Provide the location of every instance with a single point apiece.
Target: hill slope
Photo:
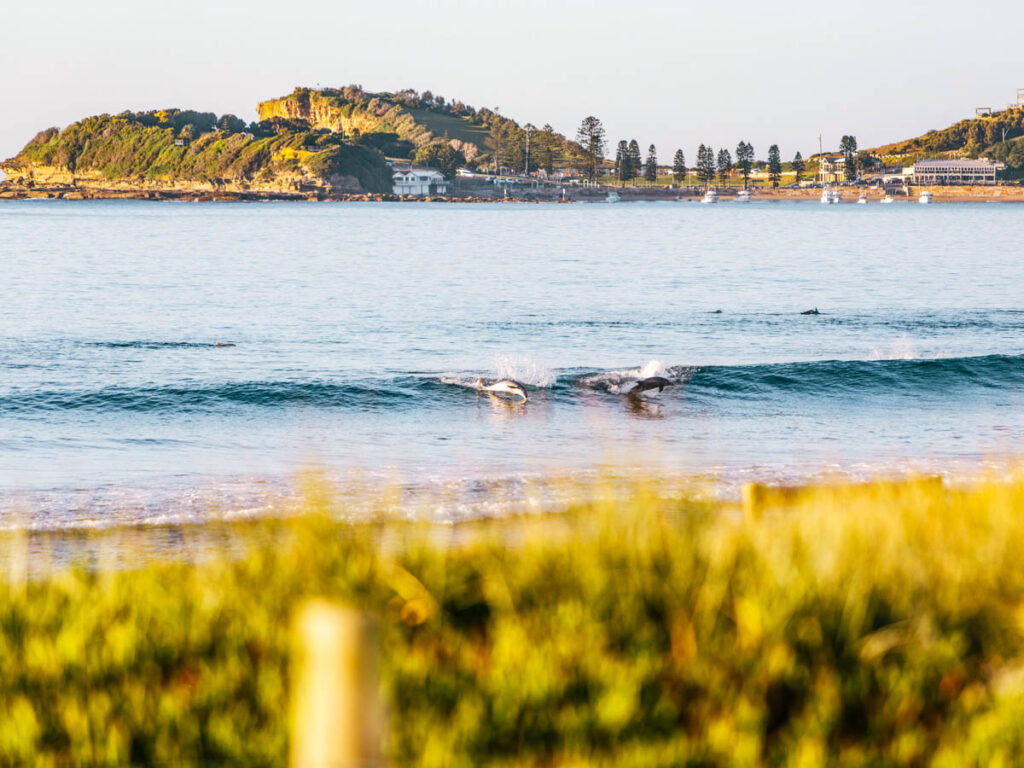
(179, 150)
(999, 136)
(421, 119)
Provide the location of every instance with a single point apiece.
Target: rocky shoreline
(10, 190)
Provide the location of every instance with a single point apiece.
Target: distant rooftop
(981, 163)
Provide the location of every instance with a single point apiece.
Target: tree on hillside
(622, 162)
(591, 137)
(745, 160)
(440, 155)
(636, 162)
(799, 166)
(679, 167)
(848, 147)
(774, 165)
(546, 149)
(529, 129)
(651, 168)
(705, 164)
(724, 165)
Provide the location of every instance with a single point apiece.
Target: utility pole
(821, 152)
(529, 130)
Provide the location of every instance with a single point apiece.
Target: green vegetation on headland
(878, 625)
(999, 136)
(312, 142)
(179, 148)
(482, 137)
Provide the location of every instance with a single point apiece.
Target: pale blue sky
(672, 73)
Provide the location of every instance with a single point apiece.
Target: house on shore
(419, 181)
(958, 172)
(831, 170)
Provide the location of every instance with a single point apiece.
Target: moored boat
(710, 197)
(925, 198)
(743, 196)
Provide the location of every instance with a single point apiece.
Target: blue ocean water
(358, 331)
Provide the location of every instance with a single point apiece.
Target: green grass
(439, 124)
(865, 626)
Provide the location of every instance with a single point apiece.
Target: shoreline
(998, 194)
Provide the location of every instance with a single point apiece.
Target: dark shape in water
(222, 344)
(653, 382)
(811, 312)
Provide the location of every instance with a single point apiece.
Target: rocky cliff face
(332, 110)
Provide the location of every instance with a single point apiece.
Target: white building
(419, 181)
(982, 171)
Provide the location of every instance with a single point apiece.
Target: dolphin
(811, 312)
(652, 382)
(503, 387)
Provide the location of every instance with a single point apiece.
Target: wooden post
(336, 716)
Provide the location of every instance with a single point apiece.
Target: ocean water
(360, 330)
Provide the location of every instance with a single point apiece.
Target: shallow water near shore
(357, 332)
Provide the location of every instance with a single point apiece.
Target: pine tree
(724, 165)
(622, 162)
(774, 165)
(848, 146)
(651, 169)
(636, 162)
(799, 166)
(745, 160)
(679, 167)
(705, 164)
(591, 138)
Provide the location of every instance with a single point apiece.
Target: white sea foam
(901, 349)
(525, 371)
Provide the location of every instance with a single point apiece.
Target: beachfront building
(983, 171)
(832, 170)
(419, 181)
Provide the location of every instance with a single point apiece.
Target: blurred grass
(864, 625)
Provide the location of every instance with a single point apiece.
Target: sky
(675, 74)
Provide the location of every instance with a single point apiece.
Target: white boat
(925, 198)
(743, 196)
(887, 199)
(710, 197)
(613, 197)
(830, 197)
(863, 199)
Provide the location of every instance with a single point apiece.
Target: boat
(863, 199)
(743, 196)
(887, 199)
(710, 197)
(613, 197)
(925, 198)
(830, 197)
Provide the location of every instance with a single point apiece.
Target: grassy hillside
(422, 119)
(996, 136)
(865, 626)
(187, 146)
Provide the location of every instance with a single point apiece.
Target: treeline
(630, 164)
